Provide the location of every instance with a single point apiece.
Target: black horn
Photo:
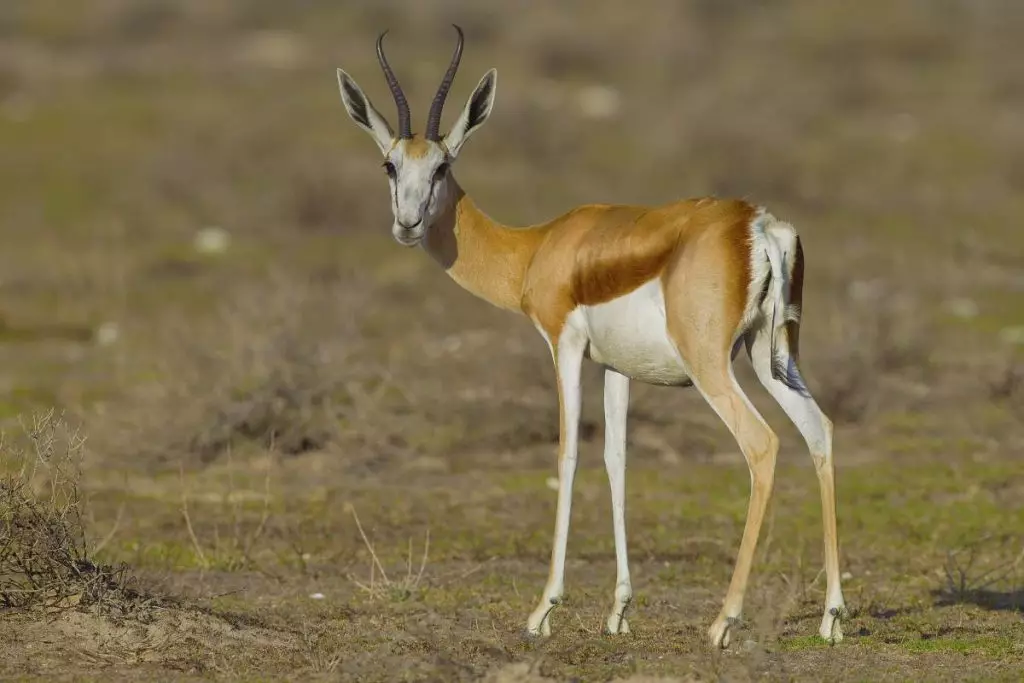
(404, 120)
(434, 118)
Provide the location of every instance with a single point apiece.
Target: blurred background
(171, 165)
(196, 263)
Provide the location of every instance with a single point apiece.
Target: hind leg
(706, 293)
(816, 429)
(760, 447)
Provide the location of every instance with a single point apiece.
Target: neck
(484, 257)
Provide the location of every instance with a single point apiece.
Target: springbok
(664, 295)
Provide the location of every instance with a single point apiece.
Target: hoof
(539, 625)
(720, 632)
(616, 625)
(831, 630)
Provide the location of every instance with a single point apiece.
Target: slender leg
(816, 429)
(616, 406)
(568, 354)
(760, 447)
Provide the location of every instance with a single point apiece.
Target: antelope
(665, 295)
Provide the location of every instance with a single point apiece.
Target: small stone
(552, 483)
(599, 101)
(317, 596)
(107, 333)
(1012, 335)
(211, 240)
(962, 307)
(846, 576)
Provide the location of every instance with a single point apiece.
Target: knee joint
(821, 460)
(767, 448)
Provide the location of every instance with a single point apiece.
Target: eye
(441, 170)
(389, 168)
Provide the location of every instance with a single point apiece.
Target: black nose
(409, 227)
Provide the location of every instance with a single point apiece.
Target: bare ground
(245, 408)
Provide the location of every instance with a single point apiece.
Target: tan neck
(485, 258)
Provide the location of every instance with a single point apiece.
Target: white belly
(629, 335)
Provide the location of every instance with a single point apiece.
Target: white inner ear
(363, 113)
(473, 115)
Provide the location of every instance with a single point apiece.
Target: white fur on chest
(629, 335)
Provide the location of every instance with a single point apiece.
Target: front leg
(568, 356)
(616, 405)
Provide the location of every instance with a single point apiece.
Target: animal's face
(418, 168)
(417, 171)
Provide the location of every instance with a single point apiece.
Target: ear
(360, 110)
(473, 115)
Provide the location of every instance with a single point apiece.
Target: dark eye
(441, 170)
(389, 168)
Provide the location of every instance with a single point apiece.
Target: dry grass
(379, 586)
(46, 561)
(988, 571)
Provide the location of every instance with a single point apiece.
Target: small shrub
(45, 561)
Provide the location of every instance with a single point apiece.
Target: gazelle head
(418, 168)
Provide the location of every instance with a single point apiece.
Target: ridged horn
(434, 118)
(404, 119)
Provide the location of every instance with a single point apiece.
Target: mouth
(408, 240)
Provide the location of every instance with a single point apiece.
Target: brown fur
(416, 147)
(487, 259)
(713, 269)
(597, 253)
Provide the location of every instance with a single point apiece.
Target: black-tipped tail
(784, 367)
(784, 370)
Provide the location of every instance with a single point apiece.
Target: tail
(785, 259)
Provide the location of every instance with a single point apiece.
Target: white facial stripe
(416, 193)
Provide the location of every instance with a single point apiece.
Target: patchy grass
(242, 403)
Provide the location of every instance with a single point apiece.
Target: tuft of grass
(379, 586)
(236, 550)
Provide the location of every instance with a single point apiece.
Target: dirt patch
(172, 639)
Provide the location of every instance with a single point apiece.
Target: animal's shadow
(1002, 601)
